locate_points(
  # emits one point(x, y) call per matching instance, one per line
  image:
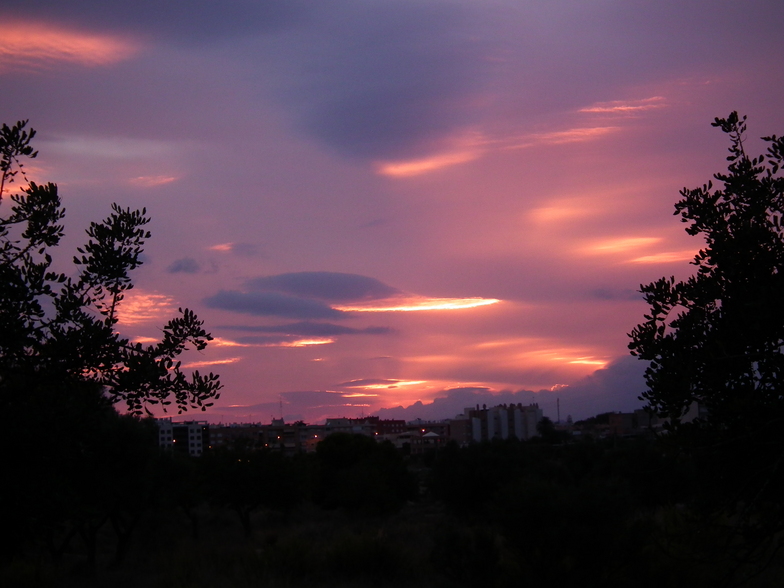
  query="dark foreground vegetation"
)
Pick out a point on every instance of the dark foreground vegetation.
point(88, 499)
point(612, 512)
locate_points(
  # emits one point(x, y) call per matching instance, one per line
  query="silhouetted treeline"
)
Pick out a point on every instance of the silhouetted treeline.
point(563, 515)
point(118, 511)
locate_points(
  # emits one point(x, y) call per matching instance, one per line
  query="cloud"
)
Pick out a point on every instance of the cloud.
point(186, 265)
point(378, 384)
point(621, 245)
point(242, 249)
point(308, 328)
point(416, 167)
point(279, 341)
point(331, 286)
point(626, 106)
point(118, 148)
point(325, 295)
point(311, 406)
point(210, 362)
point(305, 342)
point(391, 81)
point(271, 304)
point(615, 294)
point(452, 403)
point(616, 387)
point(385, 80)
point(141, 307)
point(152, 181)
point(222, 247)
point(261, 341)
point(666, 257)
point(418, 303)
point(576, 135)
point(192, 21)
point(32, 45)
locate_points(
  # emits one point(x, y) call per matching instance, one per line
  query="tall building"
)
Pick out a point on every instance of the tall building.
point(191, 437)
point(498, 422)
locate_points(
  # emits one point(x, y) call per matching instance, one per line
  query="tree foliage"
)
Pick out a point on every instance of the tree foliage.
point(73, 463)
point(717, 340)
point(717, 337)
point(358, 474)
point(56, 328)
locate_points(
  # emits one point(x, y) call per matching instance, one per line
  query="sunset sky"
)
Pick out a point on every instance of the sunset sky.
point(377, 203)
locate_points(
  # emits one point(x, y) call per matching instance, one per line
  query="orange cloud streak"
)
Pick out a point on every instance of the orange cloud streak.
point(152, 181)
point(623, 244)
point(140, 307)
point(391, 384)
point(302, 343)
point(29, 45)
point(219, 342)
point(625, 106)
point(222, 247)
point(198, 364)
point(418, 304)
point(576, 135)
point(666, 257)
point(405, 169)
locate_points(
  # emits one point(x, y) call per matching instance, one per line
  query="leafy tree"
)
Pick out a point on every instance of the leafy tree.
point(549, 434)
point(246, 479)
point(724, 347)
point(63, 365)
point(717, 339)
point(55, 328)
point(360, 475)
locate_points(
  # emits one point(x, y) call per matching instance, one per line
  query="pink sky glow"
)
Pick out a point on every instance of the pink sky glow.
point(379, 204)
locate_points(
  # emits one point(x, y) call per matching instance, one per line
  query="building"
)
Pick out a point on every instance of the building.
point(289, 438)
point(498, 422)
point(191, 437)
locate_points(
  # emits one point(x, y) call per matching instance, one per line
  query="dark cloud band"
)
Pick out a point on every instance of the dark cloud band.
point(272, 304)
point(310, 329)
point(331, 286)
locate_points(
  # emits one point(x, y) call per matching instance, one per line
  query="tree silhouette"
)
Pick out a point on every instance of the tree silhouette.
point(724, 347)
point(358, 474)
point(717, 339)
point(63, 366)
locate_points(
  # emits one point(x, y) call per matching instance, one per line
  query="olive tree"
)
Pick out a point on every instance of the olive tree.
point(717, 340)
point(61, 329)
point(64, 367)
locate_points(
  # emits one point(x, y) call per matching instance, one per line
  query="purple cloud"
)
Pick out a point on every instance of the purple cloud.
point(310, 329)
point(186, 265)
point(332, 286)
point(272, 304)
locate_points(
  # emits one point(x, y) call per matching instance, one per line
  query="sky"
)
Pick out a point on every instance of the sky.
point(393, 207)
